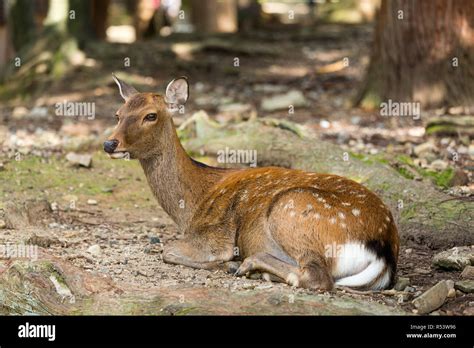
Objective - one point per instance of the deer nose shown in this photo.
(110, 145)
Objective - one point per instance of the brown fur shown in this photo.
(280, 220)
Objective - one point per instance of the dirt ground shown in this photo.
(125, 226)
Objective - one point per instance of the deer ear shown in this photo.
(177, 92)
(126, 91)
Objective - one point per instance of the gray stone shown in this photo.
(451, 293)
(283, 101)
(466, 286)
(423, 149)
(455, 259)
(235, 108)
(468, 272)
(94, 250)
(439, 165)
(154, 240)
(402, 283)
(431, 299)
(83, 160)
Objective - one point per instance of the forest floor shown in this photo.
(104, 219)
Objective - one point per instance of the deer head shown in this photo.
(145, 123)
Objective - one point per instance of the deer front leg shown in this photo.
(192, 253)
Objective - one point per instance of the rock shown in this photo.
(471, 150)
(450, 284)
(235, 108)
(3, 224)
(283, 101)
(454, 259)
(422, 271)
(91, 202)
(402, 283)
(408, 251)
(469, 311)
(423, 149)
(42, 241)
(33, 212)
(439, 165)
(84, 160)
(468, 272)
(54, 206)
(404, 297)
(155, 240)
(267, 88)
(466, 286)
(451, 293)
(431, 299)
(459, 178)
(94, 250)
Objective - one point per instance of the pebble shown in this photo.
(293, 97)
(91, 202)
(402, 283)
(54, 206)
(439, 165)
(3, 224)
(155, 240)
(424, 148)
(94, 250)
(84, 160)
(451, 293)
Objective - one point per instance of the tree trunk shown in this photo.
(214, 16)
(81, 26)
(44, 59)
(99, 18)
(6, 45)
(90, 22)
(423, 51)
(21, 23)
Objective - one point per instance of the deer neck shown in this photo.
(177, 181)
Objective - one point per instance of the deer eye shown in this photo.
(150, 117)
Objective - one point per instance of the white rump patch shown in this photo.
(356, 266)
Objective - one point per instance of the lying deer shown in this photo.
(306, 229)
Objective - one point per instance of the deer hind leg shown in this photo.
(187, 253)
(268, 263)
(311, 275)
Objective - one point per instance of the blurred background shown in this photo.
(386, 83)
(332, 65)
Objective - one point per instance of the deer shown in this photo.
(308, 230)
